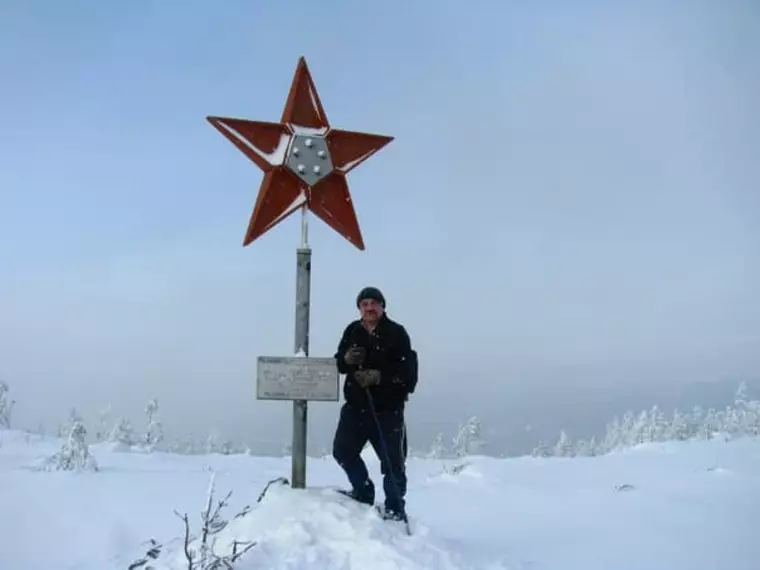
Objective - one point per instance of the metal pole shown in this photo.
(303, 289)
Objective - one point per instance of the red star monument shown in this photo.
(305, 161)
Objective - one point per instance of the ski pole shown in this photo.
(387, 458)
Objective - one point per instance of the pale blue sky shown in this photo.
(572, 195)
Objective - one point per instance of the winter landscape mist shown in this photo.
(567, 223)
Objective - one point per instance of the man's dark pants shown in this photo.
(355, 428)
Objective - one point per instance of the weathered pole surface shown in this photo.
(300, 407)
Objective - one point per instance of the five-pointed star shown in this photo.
(305, 161)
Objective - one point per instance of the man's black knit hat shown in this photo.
(370, 293)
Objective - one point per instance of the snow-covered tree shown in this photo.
(613, 436)
(563, 447)
(658, 425)
(751, 418)
(541, 450)
(593, 446)
(678, 429)
(748, 411)
(64, 428)
(154, 432)
(123, 434)
(696, 418)
(731, 422)
(6, 406)
(709, 426)
(212, 442)
(468, 439)
(628, 430)
(104, 421)
(437, 448)
(585, 447)
(75, 454)
(640, 430)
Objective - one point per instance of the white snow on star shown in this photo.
(350, 164)
(276, 157)
(315, 131)
(297, 203)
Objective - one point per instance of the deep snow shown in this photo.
(691, 505)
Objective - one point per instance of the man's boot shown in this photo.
(363, 494)
(394, 510)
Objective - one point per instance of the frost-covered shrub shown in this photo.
(74, 455)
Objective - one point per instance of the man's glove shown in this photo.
(367, 378)
(355, 355)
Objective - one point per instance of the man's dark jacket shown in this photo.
(388, 349)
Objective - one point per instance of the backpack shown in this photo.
(412, 370)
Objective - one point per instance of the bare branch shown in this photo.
(188, 553)
(281, 480)
(244, 512)
(235, 554)
(152, 553)
(204, 557)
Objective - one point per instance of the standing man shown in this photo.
(376, 356)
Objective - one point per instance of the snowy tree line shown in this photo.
(742, 419)
(123, 435)
(119, 431)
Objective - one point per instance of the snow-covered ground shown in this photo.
(691, 505)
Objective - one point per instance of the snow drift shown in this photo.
(689, 505)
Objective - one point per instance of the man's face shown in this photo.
(370, 310)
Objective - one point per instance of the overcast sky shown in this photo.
(572, 199)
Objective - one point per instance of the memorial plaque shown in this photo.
(297, 378)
